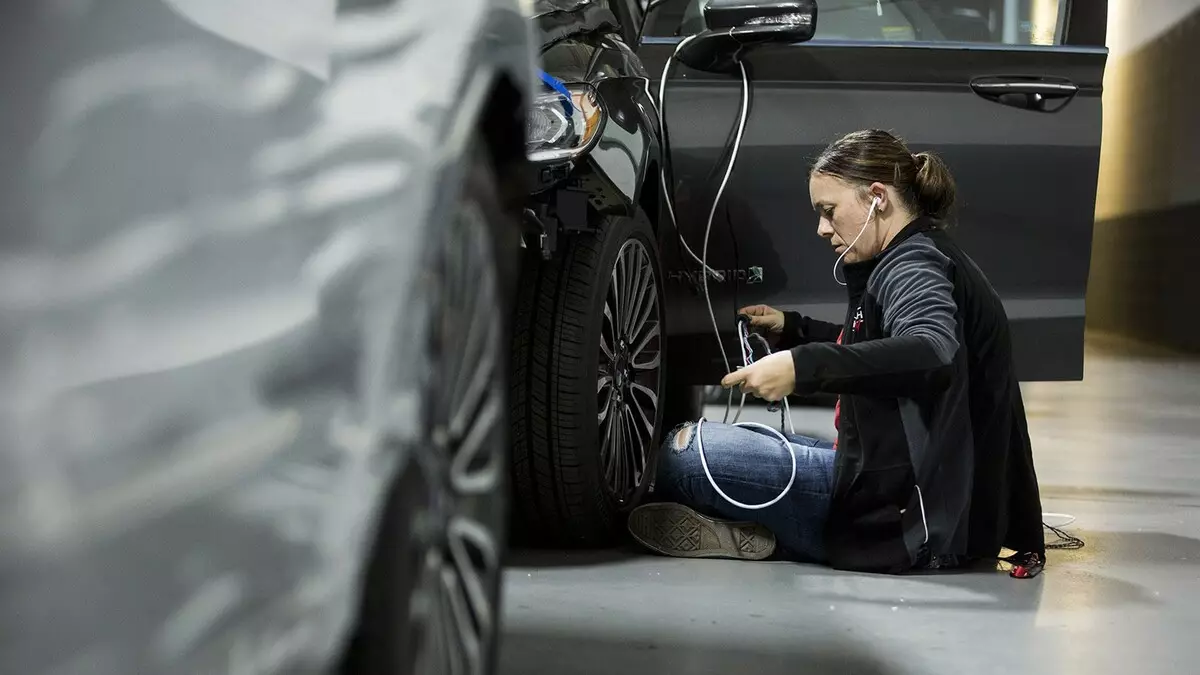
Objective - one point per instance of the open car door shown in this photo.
(1006, 91)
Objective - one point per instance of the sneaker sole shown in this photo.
(678, 531)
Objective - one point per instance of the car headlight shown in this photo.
(560, 128)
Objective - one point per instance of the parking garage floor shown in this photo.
(1120, 451)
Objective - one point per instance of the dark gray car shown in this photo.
(255, 267)
(613, 329)
(1008, 92)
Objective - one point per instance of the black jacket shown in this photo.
(933, 452)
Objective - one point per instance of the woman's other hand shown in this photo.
(770, 379)
(764, 317)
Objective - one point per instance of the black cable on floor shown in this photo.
(1064, 541)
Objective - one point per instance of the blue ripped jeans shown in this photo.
(752, 467)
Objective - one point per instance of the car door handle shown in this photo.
(1031, 93)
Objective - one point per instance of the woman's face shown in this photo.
(842, 210)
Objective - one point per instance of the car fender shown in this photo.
(624, 160)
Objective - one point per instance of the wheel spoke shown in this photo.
(619, 451)
(607, 455)
(633, 279)
(643, 280)
(642, 433)
(480, 442)
(626, 469)
(466, 326)
(606, 345)
(636, 451)
(643, 309)
(633, 273)
(604, 408)
(466, 537)
(605, 423)
(462, 624)
(649, 393)
(646, 420)
(461, 645)
(470, 303)
(614, 292)
(439, 652)
(482, 376)
(653, 363)
(650, 365)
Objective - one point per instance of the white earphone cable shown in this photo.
(870, 214)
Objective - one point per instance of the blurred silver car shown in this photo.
(255, 271)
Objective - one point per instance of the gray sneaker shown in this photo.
(676, 530)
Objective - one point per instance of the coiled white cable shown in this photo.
(712, 481)
(747, 359)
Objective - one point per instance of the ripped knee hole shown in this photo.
(682, 437)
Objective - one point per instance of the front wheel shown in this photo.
(588, 355)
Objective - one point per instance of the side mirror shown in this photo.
(734, 27)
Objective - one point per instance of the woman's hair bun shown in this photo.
(934, 186)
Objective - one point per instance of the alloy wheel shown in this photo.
(627, 385)
(455, 603)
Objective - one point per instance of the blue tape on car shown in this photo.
(558, 86)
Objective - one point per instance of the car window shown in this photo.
(1021, 22)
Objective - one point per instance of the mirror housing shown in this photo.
(734, 27)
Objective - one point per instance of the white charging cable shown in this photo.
(669, 195)
(667, 192)
(712, 214)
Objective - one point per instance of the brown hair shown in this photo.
(923, 180)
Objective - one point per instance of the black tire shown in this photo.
(561, 492)
(438, 504)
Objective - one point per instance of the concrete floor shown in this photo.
(1118, 450)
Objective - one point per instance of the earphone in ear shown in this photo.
(870, 214)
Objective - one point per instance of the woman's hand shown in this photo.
(764, 317)
(770, 379)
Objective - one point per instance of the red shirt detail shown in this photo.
(837, 408)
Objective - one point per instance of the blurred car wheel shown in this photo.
(431, 598)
